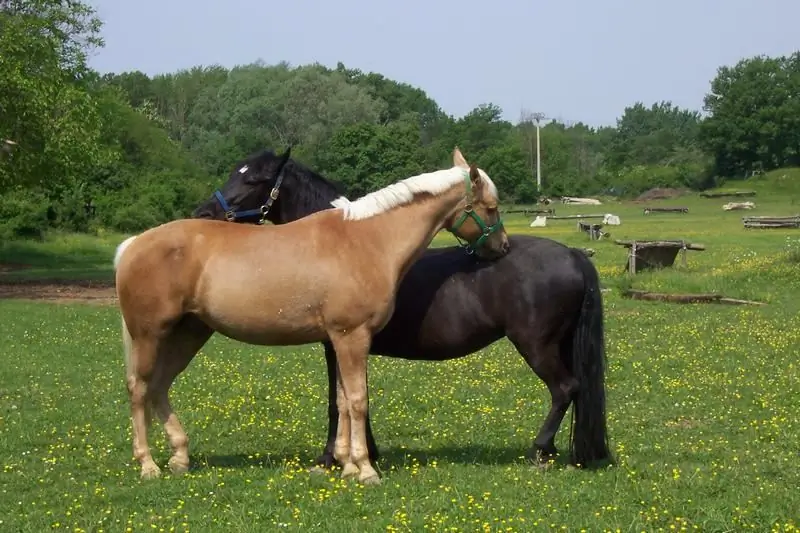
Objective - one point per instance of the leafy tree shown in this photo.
(652, 136)
(46, 106)
(368, 156)
(261, 106)
(754, 115)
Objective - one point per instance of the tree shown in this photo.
(652, 136)
(46, 104)
(754, 115)
(368, 156)
(260, 106)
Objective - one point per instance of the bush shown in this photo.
(23, 214)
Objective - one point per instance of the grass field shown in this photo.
(702, 408)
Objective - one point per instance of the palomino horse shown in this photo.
(543, 296)
(181, 281)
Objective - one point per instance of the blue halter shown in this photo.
(231, 215)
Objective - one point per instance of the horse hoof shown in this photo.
(178, 466)
(325, 462)
(150, 471)
(318, 470)
(371, 479)
(349, 470)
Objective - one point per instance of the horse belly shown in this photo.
(251, 317)
(266, 329)
(446, 328)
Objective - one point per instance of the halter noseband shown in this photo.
(231, 215)
(486, 230)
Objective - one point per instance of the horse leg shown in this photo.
(175, 354)
(341, 448)
(327, 459)
(351, 353)
(545, 361)
(141, 363)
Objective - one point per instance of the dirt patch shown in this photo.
(11, 267)
(64, 291)
(661, 194)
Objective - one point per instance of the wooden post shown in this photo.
(683, 254)
(632, 259)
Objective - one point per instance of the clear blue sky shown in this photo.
(571, 59)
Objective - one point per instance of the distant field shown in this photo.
(702, 405)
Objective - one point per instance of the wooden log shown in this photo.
(768, 218)
(570, 217)
(774, 225)
(736, 301)
(723, 194)
(648, 210)
(661, 244)
(527, 212)
(636, 294)
(772, 221)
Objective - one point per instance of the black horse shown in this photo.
(544, 296)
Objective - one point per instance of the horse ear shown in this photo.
(475, 176)
(458, 159)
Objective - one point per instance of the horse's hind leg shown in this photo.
(545, 360)
(141, 364)
(174, 355)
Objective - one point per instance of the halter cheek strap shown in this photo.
(232, 216)
(486, 230)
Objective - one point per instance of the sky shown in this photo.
(573, 60)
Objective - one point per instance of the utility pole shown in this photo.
(527, 117)
(538, 117)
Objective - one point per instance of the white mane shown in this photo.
(402, 192)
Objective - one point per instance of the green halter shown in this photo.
(470, 247)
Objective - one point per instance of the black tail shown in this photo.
(589, 442)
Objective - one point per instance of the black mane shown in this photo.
(310, 191)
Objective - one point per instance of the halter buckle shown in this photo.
(274, 194)
(230, 216)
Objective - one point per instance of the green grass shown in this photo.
(60, 256)
(702, 413)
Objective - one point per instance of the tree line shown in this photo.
(128, 151)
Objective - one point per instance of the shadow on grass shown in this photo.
(203, 461)
(390, 458)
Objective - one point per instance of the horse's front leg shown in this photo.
(352, 350)
(327, 458)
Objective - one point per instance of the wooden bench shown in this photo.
(647, 255)
(594, 231)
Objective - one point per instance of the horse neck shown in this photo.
(413, 226)
(301, 199)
